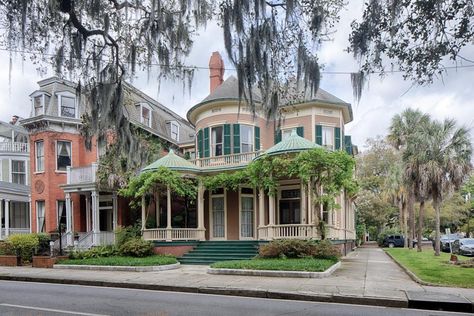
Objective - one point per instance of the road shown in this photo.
(23, 298)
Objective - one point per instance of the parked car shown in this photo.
(424, 240)
(447, 240)
(393, 241)
(464, 246)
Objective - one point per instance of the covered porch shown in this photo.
(15, 210)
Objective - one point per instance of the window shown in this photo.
(328, 136)
(287, 133)
(246, 138)
(217, 141)
(61, 214)
(192, 155)
(145, 115)
(39, 156)
(18, 171)
(63, 155)
(38, 104)
(175, 131)
(68, 106)
(40, 210)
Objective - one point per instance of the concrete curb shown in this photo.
(357, 300)
(276, 273)
(411, 274)
(118, 268)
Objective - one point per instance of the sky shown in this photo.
(382, 98)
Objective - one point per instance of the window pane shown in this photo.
(68, 107)
(63, 155)
(62, 214)
(246, 138)
(18, 172)
(216, 140)
(39, 156)
(40, 213)
(328, 138)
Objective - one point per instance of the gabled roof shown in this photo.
(291, 144)
(173, 162)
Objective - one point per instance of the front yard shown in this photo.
(122, 261)
(301, 264)
(437, 270)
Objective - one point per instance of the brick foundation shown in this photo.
(350, 245)
(176, 251)
(45, 261)
(10, 261)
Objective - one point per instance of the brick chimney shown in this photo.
(216, 67)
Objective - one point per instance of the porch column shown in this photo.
(114, 211)
(7, 218)
(157, 208)
(303, 204)
(1, 213)
(200, 209)
(68, 220)
(310, 204)
(271, 215)
(261, 211)
(143, 213)
(29, 211)
(95, 217)
(88, 213)
(168, 213)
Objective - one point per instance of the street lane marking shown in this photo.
(50, 310)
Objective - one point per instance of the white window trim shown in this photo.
(290, 129)
(333, 135)
(211, 224)
(36, 156)
(286, 186)
(147, 106)
(211, 148)
(252, 127)
(43, 105)
(56, 154)
(67, 94)
(37, 217)
(254, 196)
(11, 169)
(175, 124)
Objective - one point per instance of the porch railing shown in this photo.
(226, 160)
(14, 147)
(106, 238)
(86, 174)
(173, 234)
(288, 231)
(86, 240)
(13, 231)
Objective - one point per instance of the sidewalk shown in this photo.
(367, 276)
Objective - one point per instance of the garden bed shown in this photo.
(302, 268)
(433, 270)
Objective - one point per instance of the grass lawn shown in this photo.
(122, 261)
(436, 270)
(302, 264)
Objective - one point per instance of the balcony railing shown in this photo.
(288, 231)
(78, 175)
(173, 234)
(226, 160)
(14, 147)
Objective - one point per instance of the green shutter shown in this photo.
(200, 144)
(277, 136)
(319, 135)
(206, 142)
(300, 131)
(257, 138)
(337, 138)
(348, 144)
(227, 149)
(236, 131)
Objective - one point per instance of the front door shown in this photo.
(247, 217)
(290, 212)
(218, 218)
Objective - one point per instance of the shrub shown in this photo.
(326, 250)
(43, 243)
(288, 248)
(136, 247)
(24, 245)
(95, 252)
(124, 234)
(6, 249)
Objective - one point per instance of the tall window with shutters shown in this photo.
(328, 136)
(217, 143)
(63, 155)
(39, 156)
(246, 138)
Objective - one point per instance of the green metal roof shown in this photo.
(291, 144)
(173, 162)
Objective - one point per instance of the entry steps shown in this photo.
(207, 252)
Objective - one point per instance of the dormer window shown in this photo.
(40, 99)
(145, 114)
(175, 131)
(67, 106)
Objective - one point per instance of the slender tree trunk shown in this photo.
(420, 225)
(400, 215)
(411, 217)
(405, 223)
(436, 204)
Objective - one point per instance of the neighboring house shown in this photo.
(14, 179)
(228, 137)
(63, 172)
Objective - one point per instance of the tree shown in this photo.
(448, 161)
(102, 43)
(403, 131)
(416, 36)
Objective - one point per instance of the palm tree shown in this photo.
(447, 163)
(403, 131)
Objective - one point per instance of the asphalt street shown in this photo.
(23, 298)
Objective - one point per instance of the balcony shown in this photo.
(82, 175)
(226, 160)
(14, 147)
